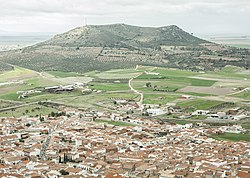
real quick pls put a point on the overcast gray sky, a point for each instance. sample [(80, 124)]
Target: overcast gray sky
[(202, 17)]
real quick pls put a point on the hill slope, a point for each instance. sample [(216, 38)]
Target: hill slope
[(121, 35), (104, 47)]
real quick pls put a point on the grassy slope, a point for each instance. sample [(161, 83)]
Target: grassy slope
[(17, 73), (32, 83), (244, 94), (32, 111), (231, 72), (171, 80), (199, 104), (109, 86), (180, 77), (94, 99), (5, 67), (159, 98), (118, 74), (115, 123), (246, 126), (61, 74), (233, 137), (5, 104), (41, 82)]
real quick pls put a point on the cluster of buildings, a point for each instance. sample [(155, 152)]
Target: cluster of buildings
[(61, 88), (53, 89), (77, 146), (233, 114)]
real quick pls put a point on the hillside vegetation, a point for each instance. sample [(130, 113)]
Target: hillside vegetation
[(119, 46), (5, 67), (122, 35)]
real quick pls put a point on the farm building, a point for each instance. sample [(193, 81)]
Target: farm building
[(200, 112), (185, 97), (155, 112)]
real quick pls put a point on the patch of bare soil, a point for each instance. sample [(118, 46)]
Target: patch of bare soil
[(207, 90)]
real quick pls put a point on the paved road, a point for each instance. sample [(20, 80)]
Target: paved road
[(48, 139)]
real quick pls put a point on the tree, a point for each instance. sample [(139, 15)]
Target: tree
[(63, 172), (52, 114), (28, 124), (21, 140), (41, 119), (148, 85)]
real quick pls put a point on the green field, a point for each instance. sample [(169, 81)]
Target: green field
[(229, 72), (101, 100), (61, 74), (246, 126), (244, 94), (10, 96), (180, 122), (163, 87), (115, 123), (159, 98), (118, 74), (233, 137), (169, 80), (197, 94), (51, 96), (109, 86), (41, 82), (17, 74), (180, 77), (30, 84), (10, 92), (31, 111), (5, 104), (140, 84), (199, 104), (175, 72), (149, 76)]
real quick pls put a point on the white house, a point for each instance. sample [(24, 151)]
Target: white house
[(156, 111), (200, 112), (35, 152)]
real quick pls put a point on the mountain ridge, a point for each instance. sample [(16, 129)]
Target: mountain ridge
[(113, 46), (124, 35)]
